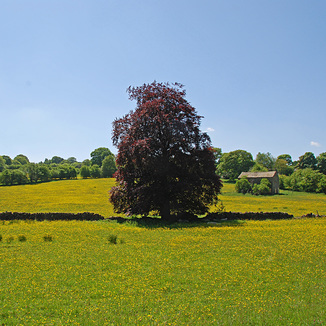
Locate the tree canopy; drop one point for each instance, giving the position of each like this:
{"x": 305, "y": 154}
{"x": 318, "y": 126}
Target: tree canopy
{"x": 307, "y": 160}
{"x": 233, "y": 163}
{"x": 165, "y": 163}
{"x": 266, "y": 160}
{"x": 321, "y": 162}
{"x": 99, "y": 154}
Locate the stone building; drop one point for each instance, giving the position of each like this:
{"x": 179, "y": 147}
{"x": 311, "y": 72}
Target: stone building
{"x": 255, "y": 178}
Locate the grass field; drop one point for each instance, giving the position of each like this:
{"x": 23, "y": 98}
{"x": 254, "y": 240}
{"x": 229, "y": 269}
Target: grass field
{"x": 69, "y": 196}
{"x": 253, "y": 273}
{"x": 296, "y": 203}
{"x": 236, "y": 273}
{"x": 73, "y": 196}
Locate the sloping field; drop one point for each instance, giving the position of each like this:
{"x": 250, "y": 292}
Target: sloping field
{"x": 252, "y": 273}
{"x": 91, "y": 195}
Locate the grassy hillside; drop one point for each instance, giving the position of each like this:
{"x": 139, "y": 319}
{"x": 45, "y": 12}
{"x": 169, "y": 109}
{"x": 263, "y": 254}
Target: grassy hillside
{"x": 253, "y": 273}
{"x": 92, "y": 195}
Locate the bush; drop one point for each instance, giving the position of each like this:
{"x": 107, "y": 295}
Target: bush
{"x": 322, "y": 185}
{"x": 112, "y": 238}
{"x": 264, "y": 188}
{"x": 22, "y": 238}
{"x": 48, "y": 238}
{"x": 284, "y": 182}
{"x": 243, "y": 186}
{"x": 307, "y": 180}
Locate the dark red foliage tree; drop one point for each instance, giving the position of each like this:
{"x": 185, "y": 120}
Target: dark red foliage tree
{"x": 165, "y": 163}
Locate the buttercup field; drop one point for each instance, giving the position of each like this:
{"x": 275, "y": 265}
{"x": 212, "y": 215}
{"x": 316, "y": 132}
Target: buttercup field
{"x": 240, "y": 272}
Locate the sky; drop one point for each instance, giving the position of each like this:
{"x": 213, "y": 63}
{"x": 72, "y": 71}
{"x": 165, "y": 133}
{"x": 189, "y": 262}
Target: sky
{"x": 255, "y": 70}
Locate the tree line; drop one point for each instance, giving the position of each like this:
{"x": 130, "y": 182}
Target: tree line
{"x": 20, "y": 170}
{"x": 307, "y": 174}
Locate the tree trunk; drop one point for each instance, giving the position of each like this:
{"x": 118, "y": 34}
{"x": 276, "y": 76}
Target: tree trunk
{"x": 165, "y": 211}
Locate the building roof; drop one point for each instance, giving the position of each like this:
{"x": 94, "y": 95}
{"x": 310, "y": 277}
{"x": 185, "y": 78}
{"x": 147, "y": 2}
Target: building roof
{"x": 269, "y": 174}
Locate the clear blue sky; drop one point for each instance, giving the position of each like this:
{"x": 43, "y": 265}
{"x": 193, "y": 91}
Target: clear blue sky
{"x": 256, "y": 71}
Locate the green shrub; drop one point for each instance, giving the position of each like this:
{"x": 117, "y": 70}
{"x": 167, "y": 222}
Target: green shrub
{"x": 322, "y": 185}
{"x": 284, "y": 182}
{"x": 48, "y": 238}
{"x": 264, "y": 188}
{"x": 243, "y": 186}
{"x": 255, "y": 189}
{"x": 0, "y": 237}
{"x": 112, "y": 238}
{"x": 22, "y": 238}
{"x": 307, "y": 180}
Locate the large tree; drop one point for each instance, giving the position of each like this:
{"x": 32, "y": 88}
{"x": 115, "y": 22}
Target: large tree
{"x": 108, "y": 167}
{"x": 321, "y": 162}
{"x": 99, "y": 154}
{"x": 233, "y": 163}
{"x": 2, "y": 164}
{"x": 21, "y": 159}
{"x": 307, "y": 160}
{"x": 165, "y": 163}
{"x": 266, "y": 160}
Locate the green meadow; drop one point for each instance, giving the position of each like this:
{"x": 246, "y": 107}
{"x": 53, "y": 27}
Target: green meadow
{"x": 231, "y": 273}
{"x": 91, "y": 195}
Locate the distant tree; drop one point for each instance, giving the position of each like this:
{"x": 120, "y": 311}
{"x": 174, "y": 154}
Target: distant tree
{"x": 322, "y": 185}
{"x": 7, "y": 159}
{"x": 321, "y": 163}
{"x": 33, "y": 172}
{"x": 286, "y": 157}
{"x": 233, "y": 163}
{"x": 55, "y": 173}
{"x": 44, "y": 173}
{"x": 217, "y": 154}
{"x": 308, "y": 160}
{"x": 108, "y": 167}
{"x": 2, "y": 164}
{"x": 63, "y": 171}
{"x": 282, "y": 167}
{"x": 85, "y": 172}
{"x": 258, "y": 168}
{"x": 21, "y": 159}
{"x": 18, "y": 177}
{"x": 71, "y": 160}
{"x": 5, "y": 178}
{"x": 306, "y": 180}
{"x": 95, "y": 171}
{"x": 266, "y": 160}
{"x": 99, "y": 154}
{"x": 87, "y": 162}
{"x": 56, "y": 159}
{"x": 165, "y": 163}
{"x": 14, "y": 166}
